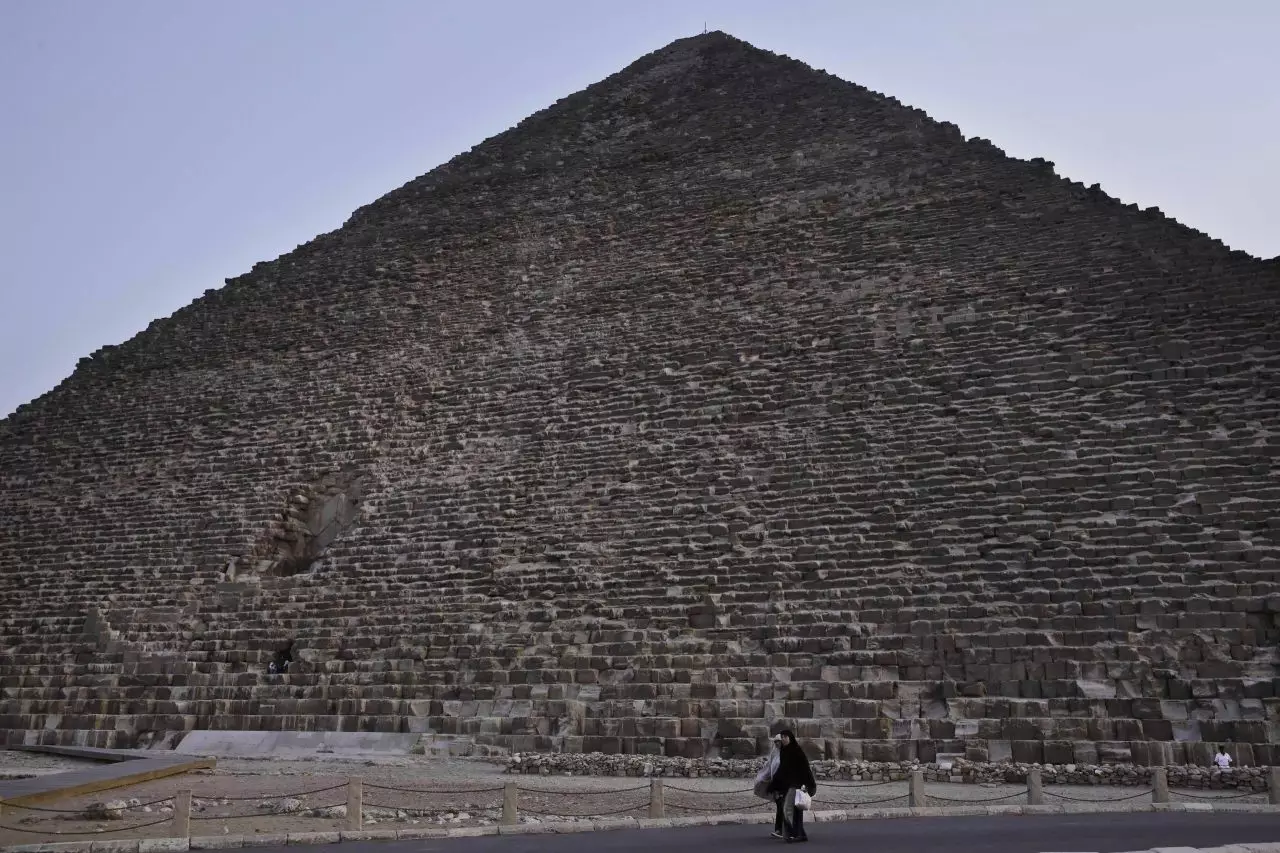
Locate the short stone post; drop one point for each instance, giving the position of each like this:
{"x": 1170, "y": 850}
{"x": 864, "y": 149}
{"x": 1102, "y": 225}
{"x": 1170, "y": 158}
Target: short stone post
{"x": 1160, "y": 785}
{"x": 1273, "y": 785}
{"x": 510, "y": 801}
{"x": 355, "y": 802}
{"x": 657, "y": 806}
{"x": 182, "y": 814}
{"x": 915, "y": 787}
{"x": 1035, "y": 787}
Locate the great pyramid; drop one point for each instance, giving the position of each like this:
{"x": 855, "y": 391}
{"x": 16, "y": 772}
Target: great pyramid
{"x": 721, "y": 394}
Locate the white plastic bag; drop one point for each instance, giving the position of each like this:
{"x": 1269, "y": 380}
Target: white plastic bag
{"x": 803, "y": 800}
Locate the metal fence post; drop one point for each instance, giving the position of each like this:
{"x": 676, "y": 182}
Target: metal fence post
{"x": 355, "y": 802}
{"x": 510, "y": 799}
{"x": 657, "y": 807}
{"x": 1035, "y": 787}
{"x": 1160, "y": 785}
{"x": 915, "y": 787}
{"x": 182, "y": 814}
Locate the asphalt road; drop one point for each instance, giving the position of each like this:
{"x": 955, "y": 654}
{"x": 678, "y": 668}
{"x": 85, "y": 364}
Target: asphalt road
{"x": 1085, "y": 833}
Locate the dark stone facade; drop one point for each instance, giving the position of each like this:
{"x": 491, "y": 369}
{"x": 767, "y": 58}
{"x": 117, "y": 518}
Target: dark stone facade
{"x": 719, "y": 394}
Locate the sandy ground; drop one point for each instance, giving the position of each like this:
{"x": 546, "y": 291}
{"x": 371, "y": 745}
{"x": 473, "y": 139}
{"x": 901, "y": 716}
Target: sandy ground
{"x": 246, "y": 797}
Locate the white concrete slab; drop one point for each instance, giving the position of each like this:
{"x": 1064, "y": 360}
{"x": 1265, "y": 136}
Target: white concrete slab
{"x": 295, "y": 745}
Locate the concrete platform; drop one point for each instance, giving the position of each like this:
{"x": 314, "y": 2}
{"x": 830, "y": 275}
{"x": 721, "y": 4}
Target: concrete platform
{"x": 296, "y": 745}
{"x": 120, "y": 768}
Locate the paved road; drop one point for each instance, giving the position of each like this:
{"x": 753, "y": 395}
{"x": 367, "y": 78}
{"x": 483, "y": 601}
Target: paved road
{"x": 1094, "y": 833}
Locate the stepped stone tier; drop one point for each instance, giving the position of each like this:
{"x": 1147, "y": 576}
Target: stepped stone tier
{"x": 721, "y": 395}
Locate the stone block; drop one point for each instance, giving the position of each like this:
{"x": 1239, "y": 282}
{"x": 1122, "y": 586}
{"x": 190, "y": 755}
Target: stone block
{"x": 267, "y": 839}
{"x": 470, "y": 831}
{"x": 164, "y": 845}
{"x": 311, "y": 838}
{"x": 116, "y": 845}
{"x": 216, "y": 842}
{"x": 1059, "y": 752}
{"x": 1028, "y": 751}
{"x": 416, "y": 833}
{"x": 368, "y": 835}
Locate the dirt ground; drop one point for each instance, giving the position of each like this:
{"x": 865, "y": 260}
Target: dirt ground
{"x": 246, "y": 797}
{"x": 16, "y": 765}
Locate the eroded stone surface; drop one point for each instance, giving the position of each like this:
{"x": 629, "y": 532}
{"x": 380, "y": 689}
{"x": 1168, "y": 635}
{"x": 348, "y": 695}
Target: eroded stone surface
{"x": 719, "y": 395}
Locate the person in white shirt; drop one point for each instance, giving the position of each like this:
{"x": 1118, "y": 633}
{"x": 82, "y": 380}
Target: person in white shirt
{"x": 1222, "y": 759}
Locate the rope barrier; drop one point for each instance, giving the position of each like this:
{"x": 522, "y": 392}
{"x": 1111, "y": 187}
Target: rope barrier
{"x": 81, "y": 811}
{"x": 714, "y": 808}
{"x": 87, "y": 831}
{"x": 54, "y": 811}
{"x": 428, "y": 791}
{"x": 316, "y": 791}
{"x": 862, "y": 784}
{"x": 568, "y": 792}
{"x": 199, "y": 796}
{"x": 407, "y": 809}
{"x": 983, "y": 800}
{"x": 643, "y": 805}
{"x": 704, "y": 791}
{"x": 1097, "y": 799}
{"x": 1211, "y": 797}
{"x": 153, "y": 803}
{"x": 866, "y": 802}
{"x": 266, "y": 814}
{"x": 268, "y": 796}
{"x": 581, "y": 792}
{"x": 239, "y": 816}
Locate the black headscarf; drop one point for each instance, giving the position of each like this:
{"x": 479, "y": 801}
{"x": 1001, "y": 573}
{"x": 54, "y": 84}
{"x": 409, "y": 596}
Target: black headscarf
{"x": 793, "y": 768}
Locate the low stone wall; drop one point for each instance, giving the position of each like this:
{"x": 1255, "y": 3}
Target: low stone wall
{"x": 598, "y": 764}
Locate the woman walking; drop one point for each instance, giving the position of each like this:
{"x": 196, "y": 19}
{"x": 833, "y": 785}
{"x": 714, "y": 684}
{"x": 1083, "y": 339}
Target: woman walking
{"x": 764, "y": 777}
{"x": 793, "y": 774}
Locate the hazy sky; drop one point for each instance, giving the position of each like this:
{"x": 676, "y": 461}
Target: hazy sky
{"x": 149, "y": 149}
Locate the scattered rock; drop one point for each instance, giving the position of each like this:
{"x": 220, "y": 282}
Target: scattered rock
{"x": 957, "y": 770}
{"x": 110, "y": 810}
{"x": 286, "y": 806}
{"x": 332, "y": 813}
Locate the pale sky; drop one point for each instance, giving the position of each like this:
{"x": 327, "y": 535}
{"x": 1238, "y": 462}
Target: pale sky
{"x": 150, "y": 149}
